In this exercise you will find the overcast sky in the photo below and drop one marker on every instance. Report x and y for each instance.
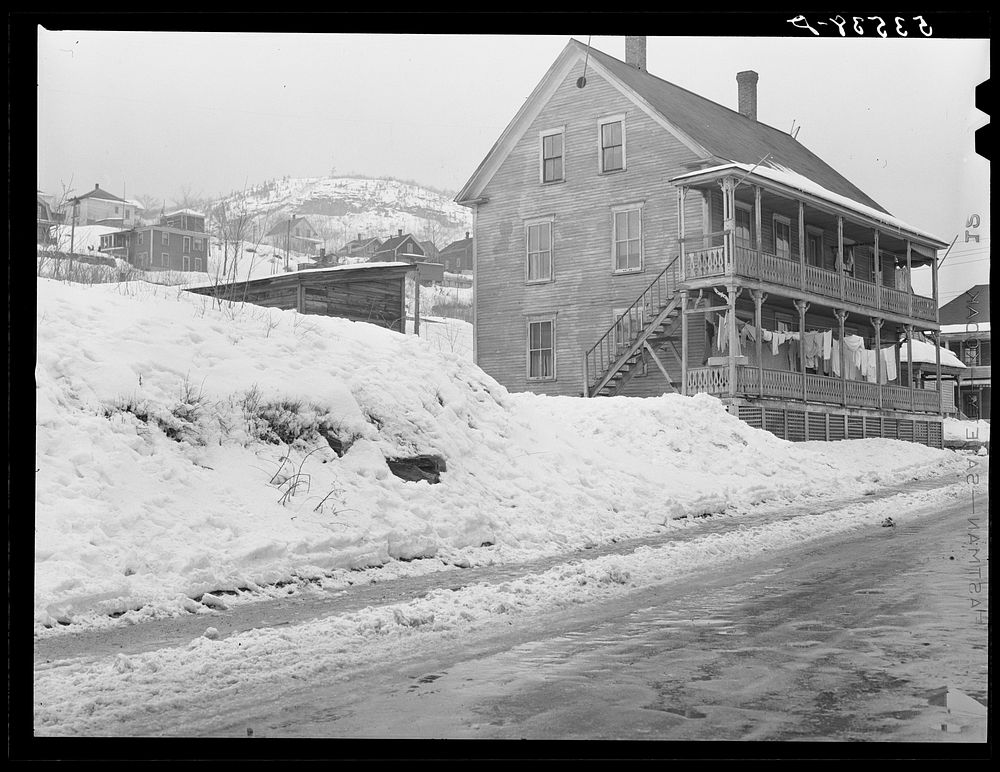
(158, 112)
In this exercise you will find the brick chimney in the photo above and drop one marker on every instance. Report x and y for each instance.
(400, 232)
(635, 51)
(747, 83)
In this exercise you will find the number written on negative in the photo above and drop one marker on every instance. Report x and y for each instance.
(899, 26)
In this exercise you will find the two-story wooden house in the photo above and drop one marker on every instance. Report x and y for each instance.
(965, 329)
(632, 237)
(401, 247)
(99, 207)
(362, 248)
(294, 234)
(457, 256)
(177, 243)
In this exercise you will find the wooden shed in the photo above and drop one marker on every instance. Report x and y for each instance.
(367, 292)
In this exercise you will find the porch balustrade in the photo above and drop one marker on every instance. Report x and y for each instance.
(761, 266)
(784, 384)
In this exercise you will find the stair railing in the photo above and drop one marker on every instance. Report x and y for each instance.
(628, 326)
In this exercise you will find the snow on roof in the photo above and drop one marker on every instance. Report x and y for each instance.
(971, 328)
(191, 212)
(785, 176)
(924, 352)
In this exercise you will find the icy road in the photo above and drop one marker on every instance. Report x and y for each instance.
(862, 631)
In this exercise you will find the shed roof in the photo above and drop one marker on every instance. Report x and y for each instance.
(970, 308)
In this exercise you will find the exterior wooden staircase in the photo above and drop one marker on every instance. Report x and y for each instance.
(651, 322)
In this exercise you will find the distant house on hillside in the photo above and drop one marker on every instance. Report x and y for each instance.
(431, 252)
(45, 219)
(401, 247)
(295, 234)
(177, 243)
(965, 329)
(361, 248)
(457, 256)
(98, 207)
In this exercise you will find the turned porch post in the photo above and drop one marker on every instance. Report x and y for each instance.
(877, 269)
(841, 316)
(684, 341)
(877, 324)
(840, 255)
(729, 222)
(758, 301)
(756, 215)
(680, 229)
(802, 244)
(909, 361)
(733, 346)
(937, 366)
(802, 307)
(909, 281)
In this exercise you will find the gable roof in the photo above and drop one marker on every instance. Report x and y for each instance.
(393, 243)
(97, 192)
(714, 132)
(283, 226)
(957, 310)
(458, 246)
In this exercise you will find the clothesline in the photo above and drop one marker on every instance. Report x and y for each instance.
(817, 349)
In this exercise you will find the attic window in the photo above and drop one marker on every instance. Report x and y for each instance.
(611, 140)
(552, 155)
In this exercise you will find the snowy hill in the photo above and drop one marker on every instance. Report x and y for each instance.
(340, 208)
(184, 449)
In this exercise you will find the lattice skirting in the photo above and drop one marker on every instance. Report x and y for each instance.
(799, 425)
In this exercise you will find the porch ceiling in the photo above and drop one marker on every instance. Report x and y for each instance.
(822, 207)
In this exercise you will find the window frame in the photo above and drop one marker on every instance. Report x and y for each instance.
(601, 123)
(197, 265)
(777, 219)
(186, 263)
(528, 225)
(143, 259)
(549, 319)
(542, 135)
(164, 239)
(164, 259)
(140, 238)
(186, 245)
(751, 243)
(196, 244)
(815, 230)
(615, 211)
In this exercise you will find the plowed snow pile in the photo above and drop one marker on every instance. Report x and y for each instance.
(183, 449)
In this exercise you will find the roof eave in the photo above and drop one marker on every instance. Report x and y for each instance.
(713, 174)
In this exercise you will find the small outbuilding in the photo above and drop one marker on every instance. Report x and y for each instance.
(366, 292)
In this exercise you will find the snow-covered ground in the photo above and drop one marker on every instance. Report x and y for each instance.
(183, 449)
(956, 430)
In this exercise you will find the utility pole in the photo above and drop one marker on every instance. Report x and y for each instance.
(288, 230)
(72, 227)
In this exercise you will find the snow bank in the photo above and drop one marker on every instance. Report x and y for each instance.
(184, 449)
(956, 430)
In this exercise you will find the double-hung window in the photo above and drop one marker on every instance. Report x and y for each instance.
(814, 246)
(164, 259)
(552, 155)
(186, 244)
(538, 239)
(611, 137)
(627, 238)
(782, 237)
(541, 349)
(744, 226)
(165, 238)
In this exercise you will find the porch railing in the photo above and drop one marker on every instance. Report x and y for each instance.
(752, 264)
(785, 384)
